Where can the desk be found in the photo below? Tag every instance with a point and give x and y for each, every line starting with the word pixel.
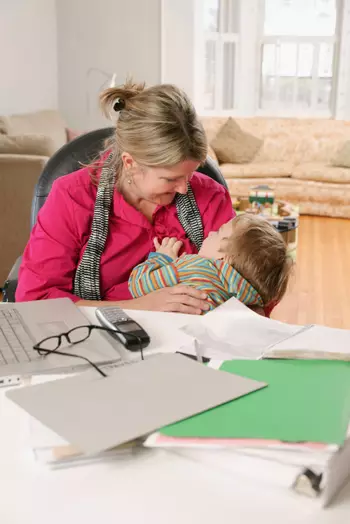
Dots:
pixel 157 487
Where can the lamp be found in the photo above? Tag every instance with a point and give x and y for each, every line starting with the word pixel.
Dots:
pixel 112 82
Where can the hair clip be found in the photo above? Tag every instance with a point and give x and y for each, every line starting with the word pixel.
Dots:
pixel 119 104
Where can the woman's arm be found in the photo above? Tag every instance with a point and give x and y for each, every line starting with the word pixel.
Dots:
pixel 52 253
pixel 177 299
pixel 50 260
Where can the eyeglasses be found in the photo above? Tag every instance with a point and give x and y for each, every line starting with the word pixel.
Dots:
pixel 75 336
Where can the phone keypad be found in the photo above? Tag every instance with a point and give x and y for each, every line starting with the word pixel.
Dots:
pixel 115 315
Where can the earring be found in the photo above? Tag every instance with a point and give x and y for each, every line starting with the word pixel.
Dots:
pixel 129 180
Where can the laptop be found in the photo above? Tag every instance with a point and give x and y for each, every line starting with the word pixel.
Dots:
pixel 23 324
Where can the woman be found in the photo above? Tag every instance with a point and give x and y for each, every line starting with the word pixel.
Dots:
pixel 99 223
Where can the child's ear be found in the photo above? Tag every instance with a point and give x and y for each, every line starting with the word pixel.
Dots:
pixel 221 255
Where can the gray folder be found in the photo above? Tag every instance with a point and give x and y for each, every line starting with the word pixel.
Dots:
pixel 95 413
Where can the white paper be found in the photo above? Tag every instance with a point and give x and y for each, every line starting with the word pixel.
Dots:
pixel 234 331
pixel 317 342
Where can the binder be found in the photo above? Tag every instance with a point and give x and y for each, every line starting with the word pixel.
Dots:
pixel 277 474
pixel 306 401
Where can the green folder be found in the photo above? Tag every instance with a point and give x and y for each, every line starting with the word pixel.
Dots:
pixel 305 401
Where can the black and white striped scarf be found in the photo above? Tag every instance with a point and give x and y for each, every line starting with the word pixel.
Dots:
pixel 87 276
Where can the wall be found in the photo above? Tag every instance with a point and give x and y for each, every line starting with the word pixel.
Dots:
pixel 342 103
pixel 97 39
pixel 178 44
pixel 28 55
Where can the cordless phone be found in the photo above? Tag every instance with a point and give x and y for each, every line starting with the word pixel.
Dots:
pixel 126 330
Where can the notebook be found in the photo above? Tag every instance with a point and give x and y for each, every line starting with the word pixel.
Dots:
pixel 306 401
pixel 95 414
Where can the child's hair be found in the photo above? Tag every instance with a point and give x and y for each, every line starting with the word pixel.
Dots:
pixel 258 252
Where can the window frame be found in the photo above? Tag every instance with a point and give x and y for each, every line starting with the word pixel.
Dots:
pixel 219 38
pixel 316 41
pixel 241 101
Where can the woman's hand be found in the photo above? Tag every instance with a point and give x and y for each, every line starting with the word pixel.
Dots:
pixel 178 299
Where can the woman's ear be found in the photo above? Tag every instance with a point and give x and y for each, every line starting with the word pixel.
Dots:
pixel 128 161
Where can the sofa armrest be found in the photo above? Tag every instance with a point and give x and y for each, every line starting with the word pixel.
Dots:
pixel 29 144
pixel 10 286
pixel 9 159
pixel 18 177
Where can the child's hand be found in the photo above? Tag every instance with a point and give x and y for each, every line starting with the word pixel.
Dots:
pixel 169 246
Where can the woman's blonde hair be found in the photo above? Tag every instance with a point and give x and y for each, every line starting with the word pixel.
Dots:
pixel 158 126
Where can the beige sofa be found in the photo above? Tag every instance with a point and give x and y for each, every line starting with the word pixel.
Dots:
pixel 26 143
pixel 295 160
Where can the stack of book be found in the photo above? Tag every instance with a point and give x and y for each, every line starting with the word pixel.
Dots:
pixel 300 422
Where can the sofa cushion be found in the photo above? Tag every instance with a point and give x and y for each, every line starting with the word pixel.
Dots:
pixel 255 169
pixel 342 156
pixel 299 140
pixel 295 191
pixel 233 145
pixel 322 173
pixel 27 145
pixel 3 125
pixel 47 122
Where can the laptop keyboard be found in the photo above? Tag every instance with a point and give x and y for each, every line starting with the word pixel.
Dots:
pixel 16 346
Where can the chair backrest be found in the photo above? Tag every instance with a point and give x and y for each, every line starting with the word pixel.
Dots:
pixel 83 150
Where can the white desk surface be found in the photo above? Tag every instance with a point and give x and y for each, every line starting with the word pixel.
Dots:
pixel 157 487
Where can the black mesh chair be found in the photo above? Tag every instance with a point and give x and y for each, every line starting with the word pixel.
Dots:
pixel 69 158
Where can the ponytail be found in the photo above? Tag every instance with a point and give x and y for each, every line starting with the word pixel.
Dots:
pixel 115 99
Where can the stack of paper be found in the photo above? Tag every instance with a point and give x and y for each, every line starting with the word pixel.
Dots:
pixel 54 451
pixel 300 420
pixel 234 331
pixel 97 414
pixel 314 342
pixel 305 401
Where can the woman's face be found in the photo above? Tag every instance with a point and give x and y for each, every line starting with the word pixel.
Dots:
pixel 159 184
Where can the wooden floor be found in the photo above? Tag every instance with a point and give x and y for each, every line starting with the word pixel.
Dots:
pixel 319 291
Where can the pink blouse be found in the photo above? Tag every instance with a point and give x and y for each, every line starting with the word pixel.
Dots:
pixel 59 238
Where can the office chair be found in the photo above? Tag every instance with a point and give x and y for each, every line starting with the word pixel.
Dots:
pixel 69 158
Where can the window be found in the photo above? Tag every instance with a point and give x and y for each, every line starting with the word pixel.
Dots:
pixel 297 53
pixel 269 57
pixel 221 36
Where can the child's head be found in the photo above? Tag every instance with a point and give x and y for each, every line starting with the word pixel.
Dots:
pixel 256 250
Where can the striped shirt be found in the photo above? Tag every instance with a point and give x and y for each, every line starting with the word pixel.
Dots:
pixel 215 277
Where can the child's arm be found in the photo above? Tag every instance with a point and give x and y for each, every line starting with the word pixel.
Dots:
pixel 157 271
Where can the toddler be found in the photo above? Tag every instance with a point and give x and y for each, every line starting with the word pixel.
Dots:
pixel 247 259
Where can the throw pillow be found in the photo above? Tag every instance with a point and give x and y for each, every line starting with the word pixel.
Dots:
pixel 232 145
pixel 39 145
pixel 71 134
pixel 342 156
